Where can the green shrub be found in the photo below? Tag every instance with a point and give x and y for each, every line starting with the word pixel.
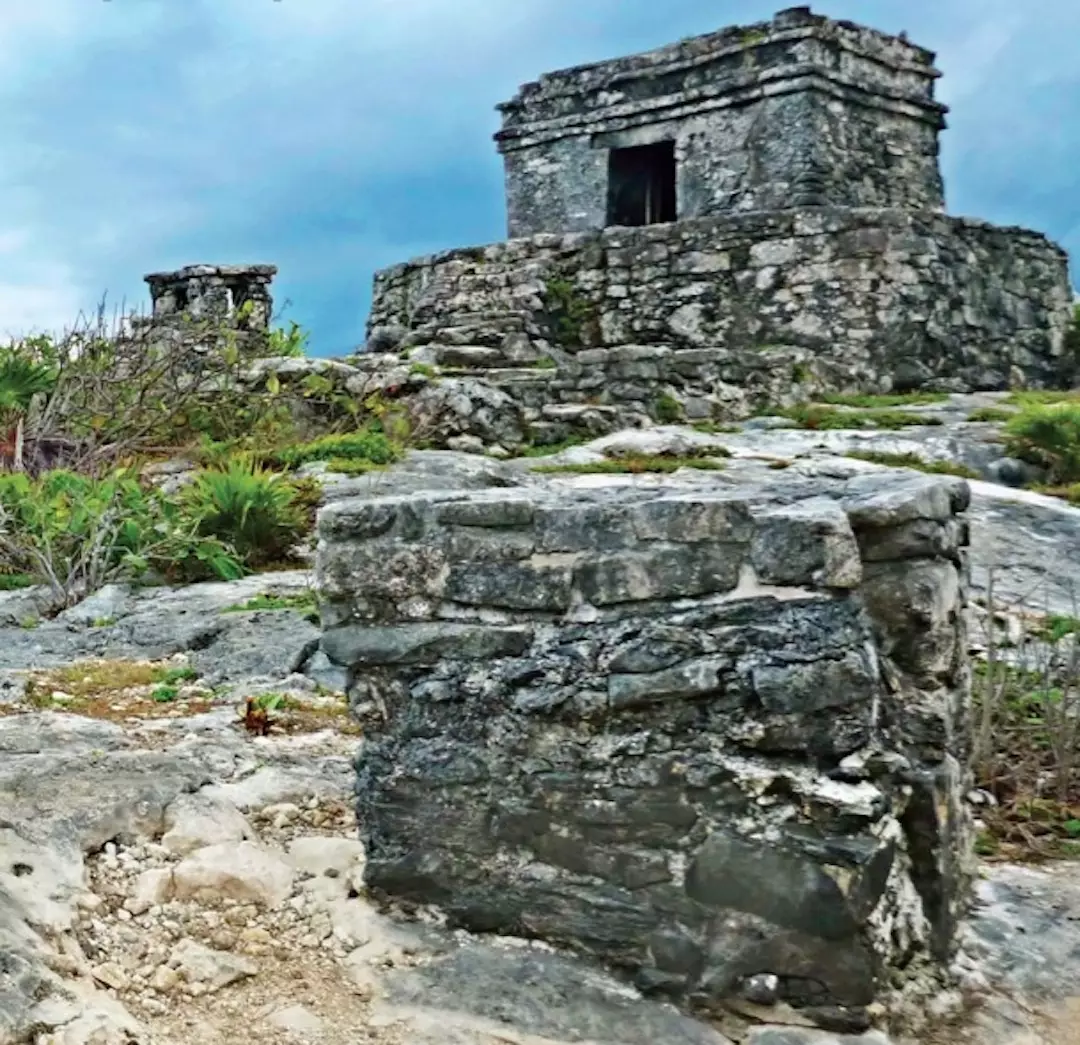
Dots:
pixel 251 510
pixel 570 315
pixel 550 449
pixel 368 444
pixel 76 533
pixel 1048 436
pixel 1072 336
pixel 668 409
pixel 291 342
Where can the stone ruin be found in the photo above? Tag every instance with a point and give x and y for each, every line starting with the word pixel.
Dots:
pixel 713 737
pixel 746 218
pixel 238 294
pixel 714 734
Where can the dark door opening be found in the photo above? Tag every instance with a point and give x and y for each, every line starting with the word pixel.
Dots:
pixel 641 184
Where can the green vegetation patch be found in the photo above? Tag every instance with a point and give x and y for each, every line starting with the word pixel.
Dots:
pixel 668 409
pixel 550 449
pixel 635 465
pixel 304 602
pixel 821 418
pixel 1027 744
pixel 993 414
pixel 368 444
pixel 16 581
pixel 1048 436
pixel 876 402
pixel 911 461
pixel 1043 397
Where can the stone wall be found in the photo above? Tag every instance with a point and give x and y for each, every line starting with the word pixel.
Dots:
pixel 702 736
pixel 730 313
pixel 238 293
pixel 797 111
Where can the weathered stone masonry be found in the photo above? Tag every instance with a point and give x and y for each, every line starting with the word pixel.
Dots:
pixel 799 111
pixel 700 735
pixel 745 218
pixel 733 312
pixel 236 292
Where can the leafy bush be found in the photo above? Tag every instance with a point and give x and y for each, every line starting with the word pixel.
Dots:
pixel 76 533
pixel 1072 335
pixel 254 512
pixel 1049 436
pixel 291 342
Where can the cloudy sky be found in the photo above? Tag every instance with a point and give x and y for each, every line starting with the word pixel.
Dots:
pixel 333 137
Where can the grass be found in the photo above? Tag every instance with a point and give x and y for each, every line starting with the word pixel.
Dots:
pixel 305 602
pixel 821 418
pixel 286 714
pixel 16 581
pixel 1043 397
pixel 645 463
pixel 1070 492
pixel 911 461
pixel 991 414
pixel 357 466
pixel 368 445
pixel 1048 436
pixel 714 428
pixel 877 402
pixel 117 689
pixel 549 449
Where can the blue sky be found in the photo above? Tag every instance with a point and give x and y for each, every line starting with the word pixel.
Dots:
pixel 334 137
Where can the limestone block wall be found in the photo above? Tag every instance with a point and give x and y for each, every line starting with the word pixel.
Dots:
pixel 701 735
pixel 798 110
pixel 732 312
pixel 236 292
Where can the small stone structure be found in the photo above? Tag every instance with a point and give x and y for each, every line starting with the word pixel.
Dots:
pixel 702 734
pixel 743 219
pixel 239 294
pixel 800 111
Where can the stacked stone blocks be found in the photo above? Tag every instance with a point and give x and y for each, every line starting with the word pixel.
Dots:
pixel 701 735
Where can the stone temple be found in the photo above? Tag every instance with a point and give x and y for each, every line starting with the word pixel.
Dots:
pixel 748 217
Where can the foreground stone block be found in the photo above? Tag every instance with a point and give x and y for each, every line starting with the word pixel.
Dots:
pixel 733 746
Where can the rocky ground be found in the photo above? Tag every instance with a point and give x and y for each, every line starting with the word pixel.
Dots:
pixel 170 875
